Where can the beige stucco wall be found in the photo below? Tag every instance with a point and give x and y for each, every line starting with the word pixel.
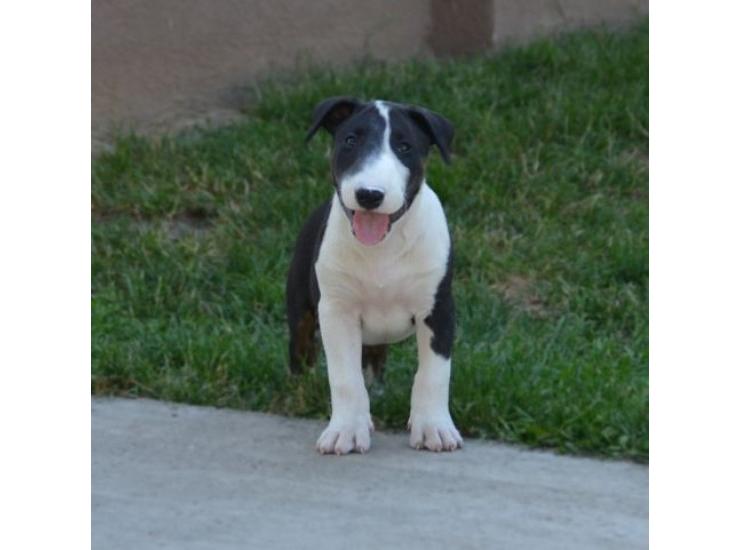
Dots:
pixel 158 62
pixel 517 21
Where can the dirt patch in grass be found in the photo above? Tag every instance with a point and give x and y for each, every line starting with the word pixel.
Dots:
pixel 189 222
pixel 519 291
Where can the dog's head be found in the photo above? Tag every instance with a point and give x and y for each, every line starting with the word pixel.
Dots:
pixel 378 158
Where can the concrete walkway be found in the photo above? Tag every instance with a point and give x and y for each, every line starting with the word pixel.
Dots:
pixel 181 477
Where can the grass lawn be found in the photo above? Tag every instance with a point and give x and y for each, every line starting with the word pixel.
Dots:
pixel 547 203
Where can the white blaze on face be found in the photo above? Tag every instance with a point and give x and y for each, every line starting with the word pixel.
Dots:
pixel 381 171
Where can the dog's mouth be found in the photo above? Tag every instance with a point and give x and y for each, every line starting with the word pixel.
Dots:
pixel 370 227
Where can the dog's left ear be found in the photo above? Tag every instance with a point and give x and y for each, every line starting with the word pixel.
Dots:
pixel 439 130
pixel 330 113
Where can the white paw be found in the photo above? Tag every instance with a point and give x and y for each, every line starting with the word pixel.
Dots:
pixel 346 434
pixel 435 432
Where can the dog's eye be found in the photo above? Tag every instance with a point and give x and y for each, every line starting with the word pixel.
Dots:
pixel 350 140
pixel 403 147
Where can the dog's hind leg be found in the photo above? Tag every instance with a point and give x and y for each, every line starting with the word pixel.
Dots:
pixel 303 346
pixel 302 292
pixel 373 361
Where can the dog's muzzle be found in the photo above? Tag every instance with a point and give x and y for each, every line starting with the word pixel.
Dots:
pixel 367 226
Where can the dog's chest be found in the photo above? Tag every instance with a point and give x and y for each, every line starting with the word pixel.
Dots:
pixel 389 297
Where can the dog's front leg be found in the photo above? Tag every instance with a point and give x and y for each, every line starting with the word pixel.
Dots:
pixel 350 425
pixel 430 421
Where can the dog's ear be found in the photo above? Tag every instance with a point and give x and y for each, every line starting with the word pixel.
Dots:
pixel 330 113
pixel 439 130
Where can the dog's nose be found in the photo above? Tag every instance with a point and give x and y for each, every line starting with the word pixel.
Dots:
pixel 369 198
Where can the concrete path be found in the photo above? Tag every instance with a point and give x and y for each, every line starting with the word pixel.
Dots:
pixel 181 477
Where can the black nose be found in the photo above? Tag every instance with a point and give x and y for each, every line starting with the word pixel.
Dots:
pixel 369 198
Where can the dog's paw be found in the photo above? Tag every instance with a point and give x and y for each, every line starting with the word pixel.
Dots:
pixel 344 435
pixel 434 432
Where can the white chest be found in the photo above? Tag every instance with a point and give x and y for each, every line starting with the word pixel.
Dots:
pixel 389 287
pixel 388 303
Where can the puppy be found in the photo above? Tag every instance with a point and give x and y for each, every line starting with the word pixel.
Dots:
pixel 373 266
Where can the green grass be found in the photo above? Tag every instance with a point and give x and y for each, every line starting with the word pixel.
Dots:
pixel 547 202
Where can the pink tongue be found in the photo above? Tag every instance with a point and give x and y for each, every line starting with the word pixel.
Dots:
pixel 369 227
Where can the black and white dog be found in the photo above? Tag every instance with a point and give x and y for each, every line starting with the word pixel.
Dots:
pixel 374 265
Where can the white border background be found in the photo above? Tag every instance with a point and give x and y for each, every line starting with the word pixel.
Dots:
pixel 694 274
pixel 45 274
pixel 694 265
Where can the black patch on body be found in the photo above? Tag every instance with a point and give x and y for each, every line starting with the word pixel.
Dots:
pixel 302 290
pixel 442 318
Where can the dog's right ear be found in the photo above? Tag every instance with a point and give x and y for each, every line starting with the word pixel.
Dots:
pixel 330 113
